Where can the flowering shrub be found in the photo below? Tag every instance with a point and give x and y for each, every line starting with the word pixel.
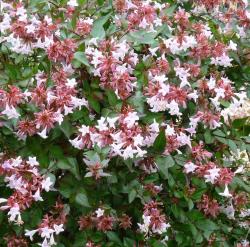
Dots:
pixel 124 123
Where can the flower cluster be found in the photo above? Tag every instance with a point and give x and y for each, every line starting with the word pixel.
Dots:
pixel 114 63
pixel 52 103
pixel 207 169
pixel 154 222
pixel 103 222
pixel 122 133
pixel 52 224
pixel 131 114
pixel 27 183
pixel 25 33
pixel 239 109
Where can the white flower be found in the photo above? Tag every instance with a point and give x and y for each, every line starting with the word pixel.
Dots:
pixel 183 139
pixel 32 161
pixel 58 228
pixel 58 117
pixel 190 167
pixel 153 51
pixel 223 60
pixel 140 152
pixel 143 23
pixel 226 192
pixel 99 212
pixel 131 119
pixel 46 232
pixel 220 92
pixel 239 170
pixel 244 213
pixel 78 103
pixel 130 5
pixel 194 95
pixel 45 243
pixel 232 46
pixel 30 28
pixel 17 161
pixel 128 152
pixel 67 110
pixel 160 78
pixel 229 211
pixel 72 3
pixel 3 200
pixel 169 131
pixel 138 140
pixel 121 51
pixel 21 11
pixel 96 59
pixel 154 127
pixel 43 133
pixel 84 130
pixel 112 121
pixel 14 214
pixel 95 167
pixel 52 240
pixel 207 31
pixel 164 89
pixel 93 41
pixel 174 108
pixel 158 22
pixel 245 243
pixel 117 148
pixel 71 83
pixel 183 75
pixel 37 196
pixel 160 229
pixel 213 175
pixel 30 233
pixel 11 112
pixel 76 143
pixel 212 83
pixel 102 124
pixel 46 184
pixel 145 226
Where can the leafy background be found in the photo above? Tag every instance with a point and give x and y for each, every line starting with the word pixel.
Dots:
pixel 123 191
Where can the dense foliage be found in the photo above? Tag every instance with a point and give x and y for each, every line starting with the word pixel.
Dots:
pixel 124 123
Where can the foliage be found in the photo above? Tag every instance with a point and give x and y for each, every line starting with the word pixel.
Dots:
pixel 124 123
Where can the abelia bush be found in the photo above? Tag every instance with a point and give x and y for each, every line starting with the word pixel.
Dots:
pixel 124 123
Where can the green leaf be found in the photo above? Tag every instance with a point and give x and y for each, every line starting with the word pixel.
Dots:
pixel 198 194
pixel 190 204
pixel 94 104
pixel 70 164
pixel 128 242
pixel 206 225
pixel 219 133
pixel 241 184
pixel 81 57
pixel 112 236
pixel 112 98
pixel 164 163
pixel 56 152
pixel 222 140
pixel 208 137
pixel 160 142
pixel 142 37
pixel 239 123
pixel 66 128
pixel 98 30
pixel 82 199
pixel 232 146
pixel 131 195
pixel 170 10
